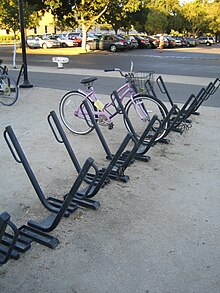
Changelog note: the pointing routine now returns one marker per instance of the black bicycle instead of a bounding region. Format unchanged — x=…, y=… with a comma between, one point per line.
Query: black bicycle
x=8, y=87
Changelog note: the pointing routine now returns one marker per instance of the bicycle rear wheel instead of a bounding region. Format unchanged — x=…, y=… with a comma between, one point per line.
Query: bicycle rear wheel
x=146, y=107
x=73, y=113
x=8, y=90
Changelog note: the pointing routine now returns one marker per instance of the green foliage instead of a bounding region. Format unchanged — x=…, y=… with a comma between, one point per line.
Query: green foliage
x=151, y=16
x=8, y=39
x=9, y=15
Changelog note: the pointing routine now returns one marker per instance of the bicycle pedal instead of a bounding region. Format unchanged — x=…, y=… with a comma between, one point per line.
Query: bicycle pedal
x=111, y=126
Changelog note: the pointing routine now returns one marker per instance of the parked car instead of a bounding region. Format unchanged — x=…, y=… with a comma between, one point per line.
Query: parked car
x=171, y=42
x=143, y=43
x=38, y=41
x=128, y=41
x=208, y=41
x=33, y=41
x=179, y=41
x=109, y=42
x=65, y=42
x=134, y=42
x=155, y=41
x=190, y=42
x=76, y=37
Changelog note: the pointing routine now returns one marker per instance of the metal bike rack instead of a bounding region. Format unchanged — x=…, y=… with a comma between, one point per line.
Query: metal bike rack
x=18, y=240
x=89, y=178
x=102, y=175
x=113, y=174
x=53, y=120
x=112, y=171
x=19, y=156
x=179, y=122
x=202, y=95
x=52, y=221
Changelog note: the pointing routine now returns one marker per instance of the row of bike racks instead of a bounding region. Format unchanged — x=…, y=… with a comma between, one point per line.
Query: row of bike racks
x=14, y=240
x=202, y=95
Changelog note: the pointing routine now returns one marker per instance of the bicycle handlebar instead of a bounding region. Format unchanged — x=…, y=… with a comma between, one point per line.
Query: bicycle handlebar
x=119, y=70
x=116, y=69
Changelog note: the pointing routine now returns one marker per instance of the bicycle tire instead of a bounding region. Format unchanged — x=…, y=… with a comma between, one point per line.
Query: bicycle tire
x=154, y=107
x=8, y=90
x=1, y=70
x=71, y=102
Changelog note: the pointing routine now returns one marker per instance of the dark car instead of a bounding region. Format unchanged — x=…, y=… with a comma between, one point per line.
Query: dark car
x=134, y=42
x=112, y=43
x=179, y=41
x=153, y=41
x=190, y=42
x=143, y=43
x=171, y=42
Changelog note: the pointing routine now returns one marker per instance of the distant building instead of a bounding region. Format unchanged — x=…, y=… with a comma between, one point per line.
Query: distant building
x=46, y=26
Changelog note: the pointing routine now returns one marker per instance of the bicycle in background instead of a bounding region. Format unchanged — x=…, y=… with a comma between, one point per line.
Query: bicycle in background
x=8, y=87
x=140, y=107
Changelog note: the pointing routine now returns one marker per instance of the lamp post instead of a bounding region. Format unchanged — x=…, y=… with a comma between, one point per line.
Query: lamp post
x=26, y=83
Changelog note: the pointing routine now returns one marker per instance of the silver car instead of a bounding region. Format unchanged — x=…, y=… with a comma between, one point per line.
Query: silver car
x=38, y=41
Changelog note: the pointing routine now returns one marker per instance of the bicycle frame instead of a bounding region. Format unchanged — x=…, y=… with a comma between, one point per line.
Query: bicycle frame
x=102, y=111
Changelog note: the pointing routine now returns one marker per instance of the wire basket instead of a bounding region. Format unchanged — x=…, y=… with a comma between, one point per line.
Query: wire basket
x=143, y=80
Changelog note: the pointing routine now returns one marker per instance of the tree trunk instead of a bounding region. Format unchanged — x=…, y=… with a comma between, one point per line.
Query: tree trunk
x=84, y=36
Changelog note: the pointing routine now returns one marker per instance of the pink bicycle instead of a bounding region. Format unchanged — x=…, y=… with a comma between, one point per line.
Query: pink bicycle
x=140, y=107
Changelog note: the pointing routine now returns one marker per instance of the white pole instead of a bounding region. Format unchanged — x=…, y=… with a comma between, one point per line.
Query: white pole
x=14, y=53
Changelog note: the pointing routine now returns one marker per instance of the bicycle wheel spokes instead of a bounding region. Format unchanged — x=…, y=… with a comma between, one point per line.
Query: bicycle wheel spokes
x=73, y=113
x=8, y=90
x=141, y=112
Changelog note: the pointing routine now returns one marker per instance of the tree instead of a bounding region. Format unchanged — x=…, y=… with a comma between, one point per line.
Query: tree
x=9, y=15
x=213, y=17
x=73, y=13
x=195, y=14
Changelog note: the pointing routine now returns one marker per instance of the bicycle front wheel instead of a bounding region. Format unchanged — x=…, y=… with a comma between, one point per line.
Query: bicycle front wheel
x=8, y=90
x=73, y=113
x=141, y=111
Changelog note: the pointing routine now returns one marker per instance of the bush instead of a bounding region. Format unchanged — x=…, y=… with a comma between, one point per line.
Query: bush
x=5, y=39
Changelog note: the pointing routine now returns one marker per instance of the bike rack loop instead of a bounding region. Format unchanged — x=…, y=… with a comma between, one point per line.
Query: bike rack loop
x=23, y=160
x=63, y=139
x=141, y=147
x=108, y=171
x=102, y=173
x=11, y=245
x=52, y=221
x=89, y=178
x=112, y=175
x=8, y=251
x=98, y=131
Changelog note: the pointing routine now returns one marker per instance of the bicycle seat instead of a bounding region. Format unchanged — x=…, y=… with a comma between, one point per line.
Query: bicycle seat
x=88, y=80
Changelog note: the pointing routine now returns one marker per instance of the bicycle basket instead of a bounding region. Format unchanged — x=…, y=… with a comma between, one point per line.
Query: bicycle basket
x=141, y=78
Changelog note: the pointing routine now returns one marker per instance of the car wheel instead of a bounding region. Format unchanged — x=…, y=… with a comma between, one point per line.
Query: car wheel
x=64, y=45
x=113, y=48
x=208, y=44
x=44, y=46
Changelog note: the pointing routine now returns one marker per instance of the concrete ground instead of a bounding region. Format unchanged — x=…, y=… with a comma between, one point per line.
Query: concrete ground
x=159, y=232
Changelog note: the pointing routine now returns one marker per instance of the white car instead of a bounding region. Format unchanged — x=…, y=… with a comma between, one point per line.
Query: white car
x=44, y=42
x=207, y=40
x=65, y=42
